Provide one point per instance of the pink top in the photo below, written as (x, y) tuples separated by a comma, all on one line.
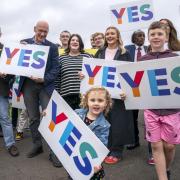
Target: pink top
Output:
[(110, 53)]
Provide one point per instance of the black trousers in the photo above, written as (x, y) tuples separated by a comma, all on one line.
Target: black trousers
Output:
[(14, 116), (73, 100), (136, 129), (122, 128), (35, 96)]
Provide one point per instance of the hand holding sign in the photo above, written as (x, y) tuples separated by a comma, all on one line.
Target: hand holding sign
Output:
[(2, 75), (38, 80), (81, 75), (122, 95)]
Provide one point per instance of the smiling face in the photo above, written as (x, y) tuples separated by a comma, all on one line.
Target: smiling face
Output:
[(74, 44), (96, 102), (99, 40), (64, 38), (157, 38), (139, 38), (41, 30), (111, 36)]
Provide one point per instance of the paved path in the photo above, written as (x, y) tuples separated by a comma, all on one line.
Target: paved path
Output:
[(132, 167)]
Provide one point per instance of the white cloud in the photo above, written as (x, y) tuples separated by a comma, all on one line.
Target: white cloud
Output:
[(13, 6), (85, 17)]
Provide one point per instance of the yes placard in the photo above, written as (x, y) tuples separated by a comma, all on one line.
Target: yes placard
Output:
[(151, 84), (132, 15), (24, 60), (75, 145), (100, 72)]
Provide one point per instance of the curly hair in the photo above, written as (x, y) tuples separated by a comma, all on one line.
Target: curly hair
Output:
[(84, 99), (133, 37)]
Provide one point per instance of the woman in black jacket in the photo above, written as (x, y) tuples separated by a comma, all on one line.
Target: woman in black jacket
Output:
[(122, 130)]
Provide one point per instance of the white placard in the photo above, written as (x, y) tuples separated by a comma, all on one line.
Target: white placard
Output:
[(132, 15), (100, 72), (75, 145), (151, 84), (24, 60)]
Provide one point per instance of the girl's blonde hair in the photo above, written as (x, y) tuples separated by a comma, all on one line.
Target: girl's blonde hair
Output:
[(120, 42), (84, 99)]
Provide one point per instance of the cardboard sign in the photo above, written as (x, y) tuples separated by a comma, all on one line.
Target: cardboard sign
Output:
[(100, 72), (151, 84), (133, 15), (75, 145), (25, 60)]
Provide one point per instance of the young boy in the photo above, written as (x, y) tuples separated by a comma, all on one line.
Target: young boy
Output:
[(162, 125)]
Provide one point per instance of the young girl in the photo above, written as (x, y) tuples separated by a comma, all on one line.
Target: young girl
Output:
[(95, 104)]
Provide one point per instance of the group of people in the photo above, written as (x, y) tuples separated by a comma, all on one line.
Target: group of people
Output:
[(116, 127)]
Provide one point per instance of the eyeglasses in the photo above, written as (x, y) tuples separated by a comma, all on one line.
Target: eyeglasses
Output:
[(42, 31), (64, 36), (99, 38)]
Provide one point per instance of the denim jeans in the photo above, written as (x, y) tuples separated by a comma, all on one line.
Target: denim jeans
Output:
[(6, 124)]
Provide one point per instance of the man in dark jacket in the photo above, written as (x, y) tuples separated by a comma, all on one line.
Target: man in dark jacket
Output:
[(37, 91), (136, 50)]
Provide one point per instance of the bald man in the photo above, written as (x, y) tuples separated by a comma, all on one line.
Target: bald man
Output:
[(37, 91)]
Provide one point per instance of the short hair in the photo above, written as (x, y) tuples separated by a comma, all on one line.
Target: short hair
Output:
[(158, 25), (134, 35), (65, 31), (84, 98), (97, 34), (81, 44)]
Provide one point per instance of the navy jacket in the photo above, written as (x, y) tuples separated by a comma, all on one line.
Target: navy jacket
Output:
[(52, 67), (131, 49)]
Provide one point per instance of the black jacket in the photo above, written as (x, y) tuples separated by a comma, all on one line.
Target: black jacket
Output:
[(5, 83), (1, 47), (118, 56)]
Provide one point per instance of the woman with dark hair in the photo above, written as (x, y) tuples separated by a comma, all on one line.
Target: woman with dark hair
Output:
[(121, 120), (68, 82), (173, 42)]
